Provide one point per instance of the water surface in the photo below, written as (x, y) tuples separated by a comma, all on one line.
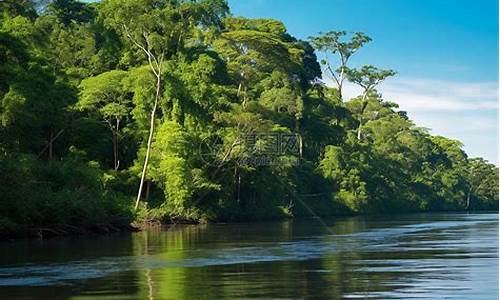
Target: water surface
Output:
[(425, 256)]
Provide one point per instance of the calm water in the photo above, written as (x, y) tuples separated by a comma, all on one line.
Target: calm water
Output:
[(435, 256)]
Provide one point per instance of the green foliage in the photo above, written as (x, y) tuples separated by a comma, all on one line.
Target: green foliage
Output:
[(172, 172), (368, 76), (482, 179), (69, 192), (77, 83), (68, 11), (335, 42), (106, 94), (332, 41)]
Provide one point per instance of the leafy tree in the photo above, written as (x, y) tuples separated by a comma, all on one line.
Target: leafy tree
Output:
[(13, 8), (333, 42), (67, 11), (151, 26), (107, 96), (368, 77), (482, 185)]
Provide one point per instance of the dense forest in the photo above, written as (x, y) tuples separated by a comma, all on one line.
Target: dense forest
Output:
[(155, 110)]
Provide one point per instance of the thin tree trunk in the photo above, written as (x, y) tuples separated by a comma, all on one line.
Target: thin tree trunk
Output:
[(244, 97), (51, 141), (115, 145), (342, 74), (340, 92), (299, 136), (51, 144), (114, 151), (150, 139), (239, 186), (148, 188), (300, 145), (239, 90), (155, 65), (468, 200), (338, 81), (365, 104)]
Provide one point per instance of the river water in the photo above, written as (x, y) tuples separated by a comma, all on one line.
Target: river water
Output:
[(427, 256)]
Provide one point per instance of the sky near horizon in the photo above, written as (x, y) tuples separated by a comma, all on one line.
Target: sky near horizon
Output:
[(445, 53)]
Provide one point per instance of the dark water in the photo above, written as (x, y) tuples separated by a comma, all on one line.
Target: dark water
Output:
[(435, 256)]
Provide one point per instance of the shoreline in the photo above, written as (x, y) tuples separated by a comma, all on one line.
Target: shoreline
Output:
[(65, 230), (62, 230)]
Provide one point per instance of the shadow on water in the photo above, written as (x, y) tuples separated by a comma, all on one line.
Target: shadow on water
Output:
[(428, 256)]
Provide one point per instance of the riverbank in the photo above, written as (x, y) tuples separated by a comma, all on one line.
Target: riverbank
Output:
[(61, 230), (56, 230)]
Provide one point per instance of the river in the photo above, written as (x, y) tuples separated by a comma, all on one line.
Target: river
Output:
[(427, 256)]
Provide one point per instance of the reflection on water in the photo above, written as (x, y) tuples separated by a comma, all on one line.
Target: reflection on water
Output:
[(434, 256)]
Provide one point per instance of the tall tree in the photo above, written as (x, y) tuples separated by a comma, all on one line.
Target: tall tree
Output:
[(159, 29), (106, 95), (334, 42), (368, 77), (146, 25)]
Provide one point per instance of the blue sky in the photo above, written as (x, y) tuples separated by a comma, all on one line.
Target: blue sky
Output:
[(445, 52)]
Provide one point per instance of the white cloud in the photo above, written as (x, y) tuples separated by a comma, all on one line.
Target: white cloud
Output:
[(466, 111), (436, 95)]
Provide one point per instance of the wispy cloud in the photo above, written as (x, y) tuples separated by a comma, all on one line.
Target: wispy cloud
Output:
[(466, 111), (414, 94)]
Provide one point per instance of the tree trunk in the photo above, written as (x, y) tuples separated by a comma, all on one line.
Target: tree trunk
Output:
[(468, 199), (155, 65), (51, 141), (340, 92), (150, 139), (148, 188), (244, 97), (239, 90), (239, 186), (365, 104), (51, 144), (115, 145), (300, 145), (114, 151)]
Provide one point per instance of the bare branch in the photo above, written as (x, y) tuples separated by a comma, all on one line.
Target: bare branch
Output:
[(148, 53)]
